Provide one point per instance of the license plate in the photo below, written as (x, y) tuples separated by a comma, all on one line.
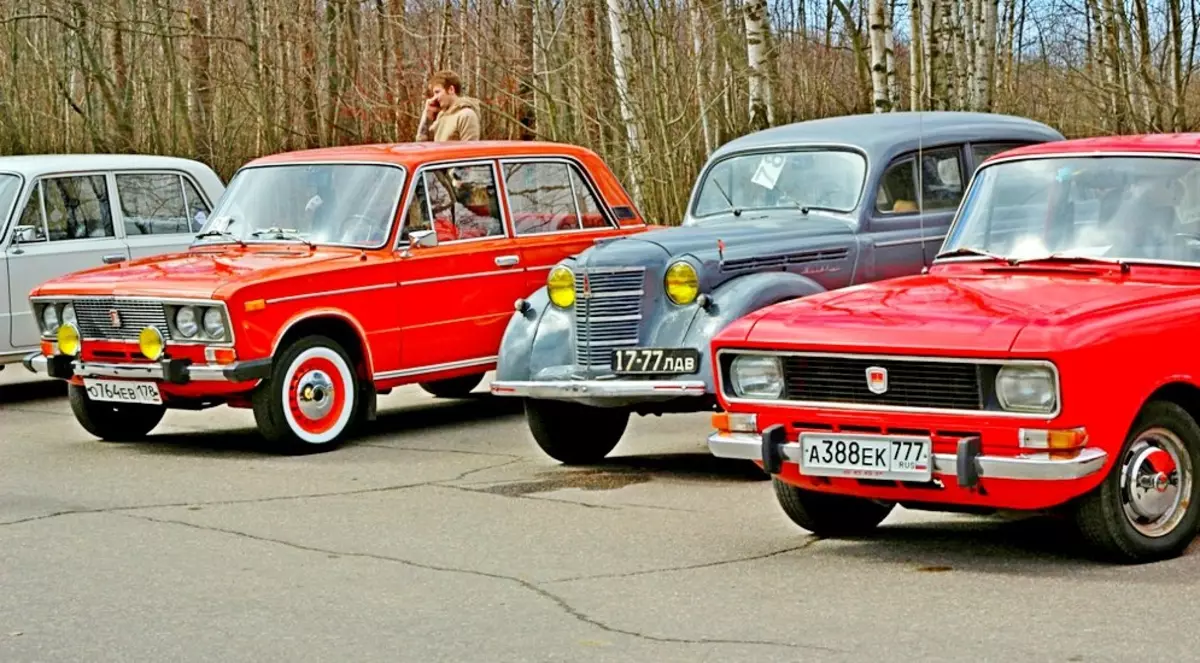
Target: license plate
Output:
[(122, 391), (655, 361), (899, 457)]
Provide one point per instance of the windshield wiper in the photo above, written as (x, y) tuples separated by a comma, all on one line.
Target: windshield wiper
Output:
[(1066, 257), (220, 233), (736, 210), (968, 251), (282, 233)]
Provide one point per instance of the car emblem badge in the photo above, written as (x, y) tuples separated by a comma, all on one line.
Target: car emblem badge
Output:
[(587, 287), (877, 379), (115, 318)]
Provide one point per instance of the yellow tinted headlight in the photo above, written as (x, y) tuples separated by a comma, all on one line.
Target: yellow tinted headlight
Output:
[(68, 339), (150, 342), (561, 287), (682, 283)]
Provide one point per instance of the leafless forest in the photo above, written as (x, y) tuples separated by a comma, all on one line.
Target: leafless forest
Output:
[(652, 86)]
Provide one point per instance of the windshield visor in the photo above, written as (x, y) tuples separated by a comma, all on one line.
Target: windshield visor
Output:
[(827, 179), (1123, 208), (340, 204)]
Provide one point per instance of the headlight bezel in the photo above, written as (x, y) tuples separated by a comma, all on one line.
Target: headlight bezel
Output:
[(691, 288), (569, 289), (201, 309), (764, 364), (1028, 371)]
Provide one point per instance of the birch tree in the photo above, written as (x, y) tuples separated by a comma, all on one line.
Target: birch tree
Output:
[(757, 34)]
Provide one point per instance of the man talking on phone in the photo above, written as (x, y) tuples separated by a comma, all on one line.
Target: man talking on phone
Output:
[(449, 115)]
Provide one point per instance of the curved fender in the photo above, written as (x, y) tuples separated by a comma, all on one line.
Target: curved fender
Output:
[(535, 338), (736, 298)]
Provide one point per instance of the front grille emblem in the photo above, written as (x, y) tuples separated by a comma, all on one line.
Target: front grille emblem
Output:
[(114, 317), (587, 287), (877, 379)]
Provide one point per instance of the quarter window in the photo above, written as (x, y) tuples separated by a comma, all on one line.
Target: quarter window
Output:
[(77, 208), (940, 181), (160, 204), (462, 201)]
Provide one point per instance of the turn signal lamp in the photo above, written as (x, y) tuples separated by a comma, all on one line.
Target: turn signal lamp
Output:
[(735, 422), (1071, 438), (150, 342)]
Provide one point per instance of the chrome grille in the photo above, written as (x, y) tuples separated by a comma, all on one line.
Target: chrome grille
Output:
[(94, 318), (610, 316)]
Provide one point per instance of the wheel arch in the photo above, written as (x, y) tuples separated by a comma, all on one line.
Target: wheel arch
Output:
[(337, 325)]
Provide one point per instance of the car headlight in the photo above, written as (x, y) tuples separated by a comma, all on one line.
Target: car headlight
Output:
[(561, 286), (214, 323), (68, 315), (50, 318), (1026, 389), (185, 322), (757, 377), (682, 283)]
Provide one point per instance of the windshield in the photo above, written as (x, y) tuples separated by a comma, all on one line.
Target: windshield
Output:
[(345, 204), (828, 179), (1114, 208), (9, 186)]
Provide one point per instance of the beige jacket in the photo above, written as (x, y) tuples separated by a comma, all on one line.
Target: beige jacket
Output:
[(458, 122)]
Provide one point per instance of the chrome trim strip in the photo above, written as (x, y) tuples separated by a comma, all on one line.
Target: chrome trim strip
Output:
[(1028, 467), (872, 407), (614, 293), (323, 293), (911, 240), (433, 368), (599, 388), (456, 277), (38, 364)]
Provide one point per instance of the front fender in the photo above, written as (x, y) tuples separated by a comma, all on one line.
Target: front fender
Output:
[(536, 337)]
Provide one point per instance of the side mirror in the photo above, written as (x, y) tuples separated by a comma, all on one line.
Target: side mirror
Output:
[(25, 234), (422, 238)]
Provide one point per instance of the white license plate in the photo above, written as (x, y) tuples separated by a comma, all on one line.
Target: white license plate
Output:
[(899, 457), (122, 391)]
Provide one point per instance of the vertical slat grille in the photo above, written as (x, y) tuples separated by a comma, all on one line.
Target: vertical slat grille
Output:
[(609, 315), (910, 383), (94, 317)]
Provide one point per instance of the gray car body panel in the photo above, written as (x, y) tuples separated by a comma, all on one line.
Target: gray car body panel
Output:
[(768, 256)]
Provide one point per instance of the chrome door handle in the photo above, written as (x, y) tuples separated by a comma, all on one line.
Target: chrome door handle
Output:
[(113, 258), (507, 261)]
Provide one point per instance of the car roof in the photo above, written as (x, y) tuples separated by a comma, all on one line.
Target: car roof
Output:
[(413, 154), (35, 165), (880, 133), (1184, 143)]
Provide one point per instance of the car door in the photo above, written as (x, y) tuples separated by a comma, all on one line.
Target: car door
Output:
[(914, 204), (555, 213), (455, 298), (160, 211), (68, 225)]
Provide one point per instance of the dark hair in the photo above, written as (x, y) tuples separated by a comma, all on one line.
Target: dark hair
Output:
[(447, 79)]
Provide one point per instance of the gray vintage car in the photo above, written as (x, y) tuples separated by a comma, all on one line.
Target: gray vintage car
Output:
[(624, 327)]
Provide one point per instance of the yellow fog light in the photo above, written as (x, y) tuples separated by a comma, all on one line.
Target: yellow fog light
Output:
[(682, 283), (561, 287), (150, 342), (68, 339)]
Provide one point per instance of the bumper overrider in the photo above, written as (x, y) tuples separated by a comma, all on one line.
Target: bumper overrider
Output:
[(172, 371), (966, 466), (576, 389)]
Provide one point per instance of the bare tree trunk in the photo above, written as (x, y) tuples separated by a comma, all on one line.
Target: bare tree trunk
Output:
[(620, 45), (757, 34), (702, 93), (201, 80), (880, 101), (985, 53), (916, 46), (889, 49), (1175, 62)]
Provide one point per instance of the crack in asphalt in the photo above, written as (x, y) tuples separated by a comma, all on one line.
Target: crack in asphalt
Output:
[(391, 447), (703, 565), (559, 601)]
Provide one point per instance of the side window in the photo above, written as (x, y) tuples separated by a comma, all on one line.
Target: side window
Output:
[(153, 204), (197, 209), (540, 197), (589, 207), (940, 180), (77, 208), (32, 215), (464, 203)]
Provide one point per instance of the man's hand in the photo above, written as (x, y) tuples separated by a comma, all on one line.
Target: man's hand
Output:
[(432, 109)]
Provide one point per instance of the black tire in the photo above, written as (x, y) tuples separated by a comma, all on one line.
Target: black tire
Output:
[(1101, 516), (830, 515), (575, 434), (319, 363), (453, 387), (113, 422)]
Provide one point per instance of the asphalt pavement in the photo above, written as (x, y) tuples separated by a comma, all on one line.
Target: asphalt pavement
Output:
[(443, 534)]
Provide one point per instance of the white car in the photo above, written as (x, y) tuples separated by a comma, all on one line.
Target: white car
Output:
[(61, 213)]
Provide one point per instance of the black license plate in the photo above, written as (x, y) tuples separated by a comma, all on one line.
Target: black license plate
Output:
[(655, 361)]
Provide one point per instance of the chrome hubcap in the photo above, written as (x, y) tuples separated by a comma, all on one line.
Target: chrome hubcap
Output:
[(314, 394), (1156, 480)]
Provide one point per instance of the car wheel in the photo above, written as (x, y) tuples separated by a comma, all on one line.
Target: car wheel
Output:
[(575, 434), (310, 401), (824, 514), (453, 387), (114, 422), (1144, 511)]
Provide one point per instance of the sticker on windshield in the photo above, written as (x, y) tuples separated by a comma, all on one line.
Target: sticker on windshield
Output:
[(768, 171)]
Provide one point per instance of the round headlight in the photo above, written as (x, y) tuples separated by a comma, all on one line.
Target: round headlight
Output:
[(68, 340), (757, 377), (1026, 389), (150, 342), (682, 283), (185, 322), (50, 318), (68, 315), (560, 285), (214, 324)]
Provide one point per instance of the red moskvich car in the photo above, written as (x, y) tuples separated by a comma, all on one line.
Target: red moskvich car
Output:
[(323, 277), (1044, 363)]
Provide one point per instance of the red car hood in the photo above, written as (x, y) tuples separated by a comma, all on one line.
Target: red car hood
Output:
[(980, 313), (198, 273)]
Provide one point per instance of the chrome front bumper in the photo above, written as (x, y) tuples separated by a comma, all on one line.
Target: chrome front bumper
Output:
[(589, 389), (174, 371), (1034, 467)]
